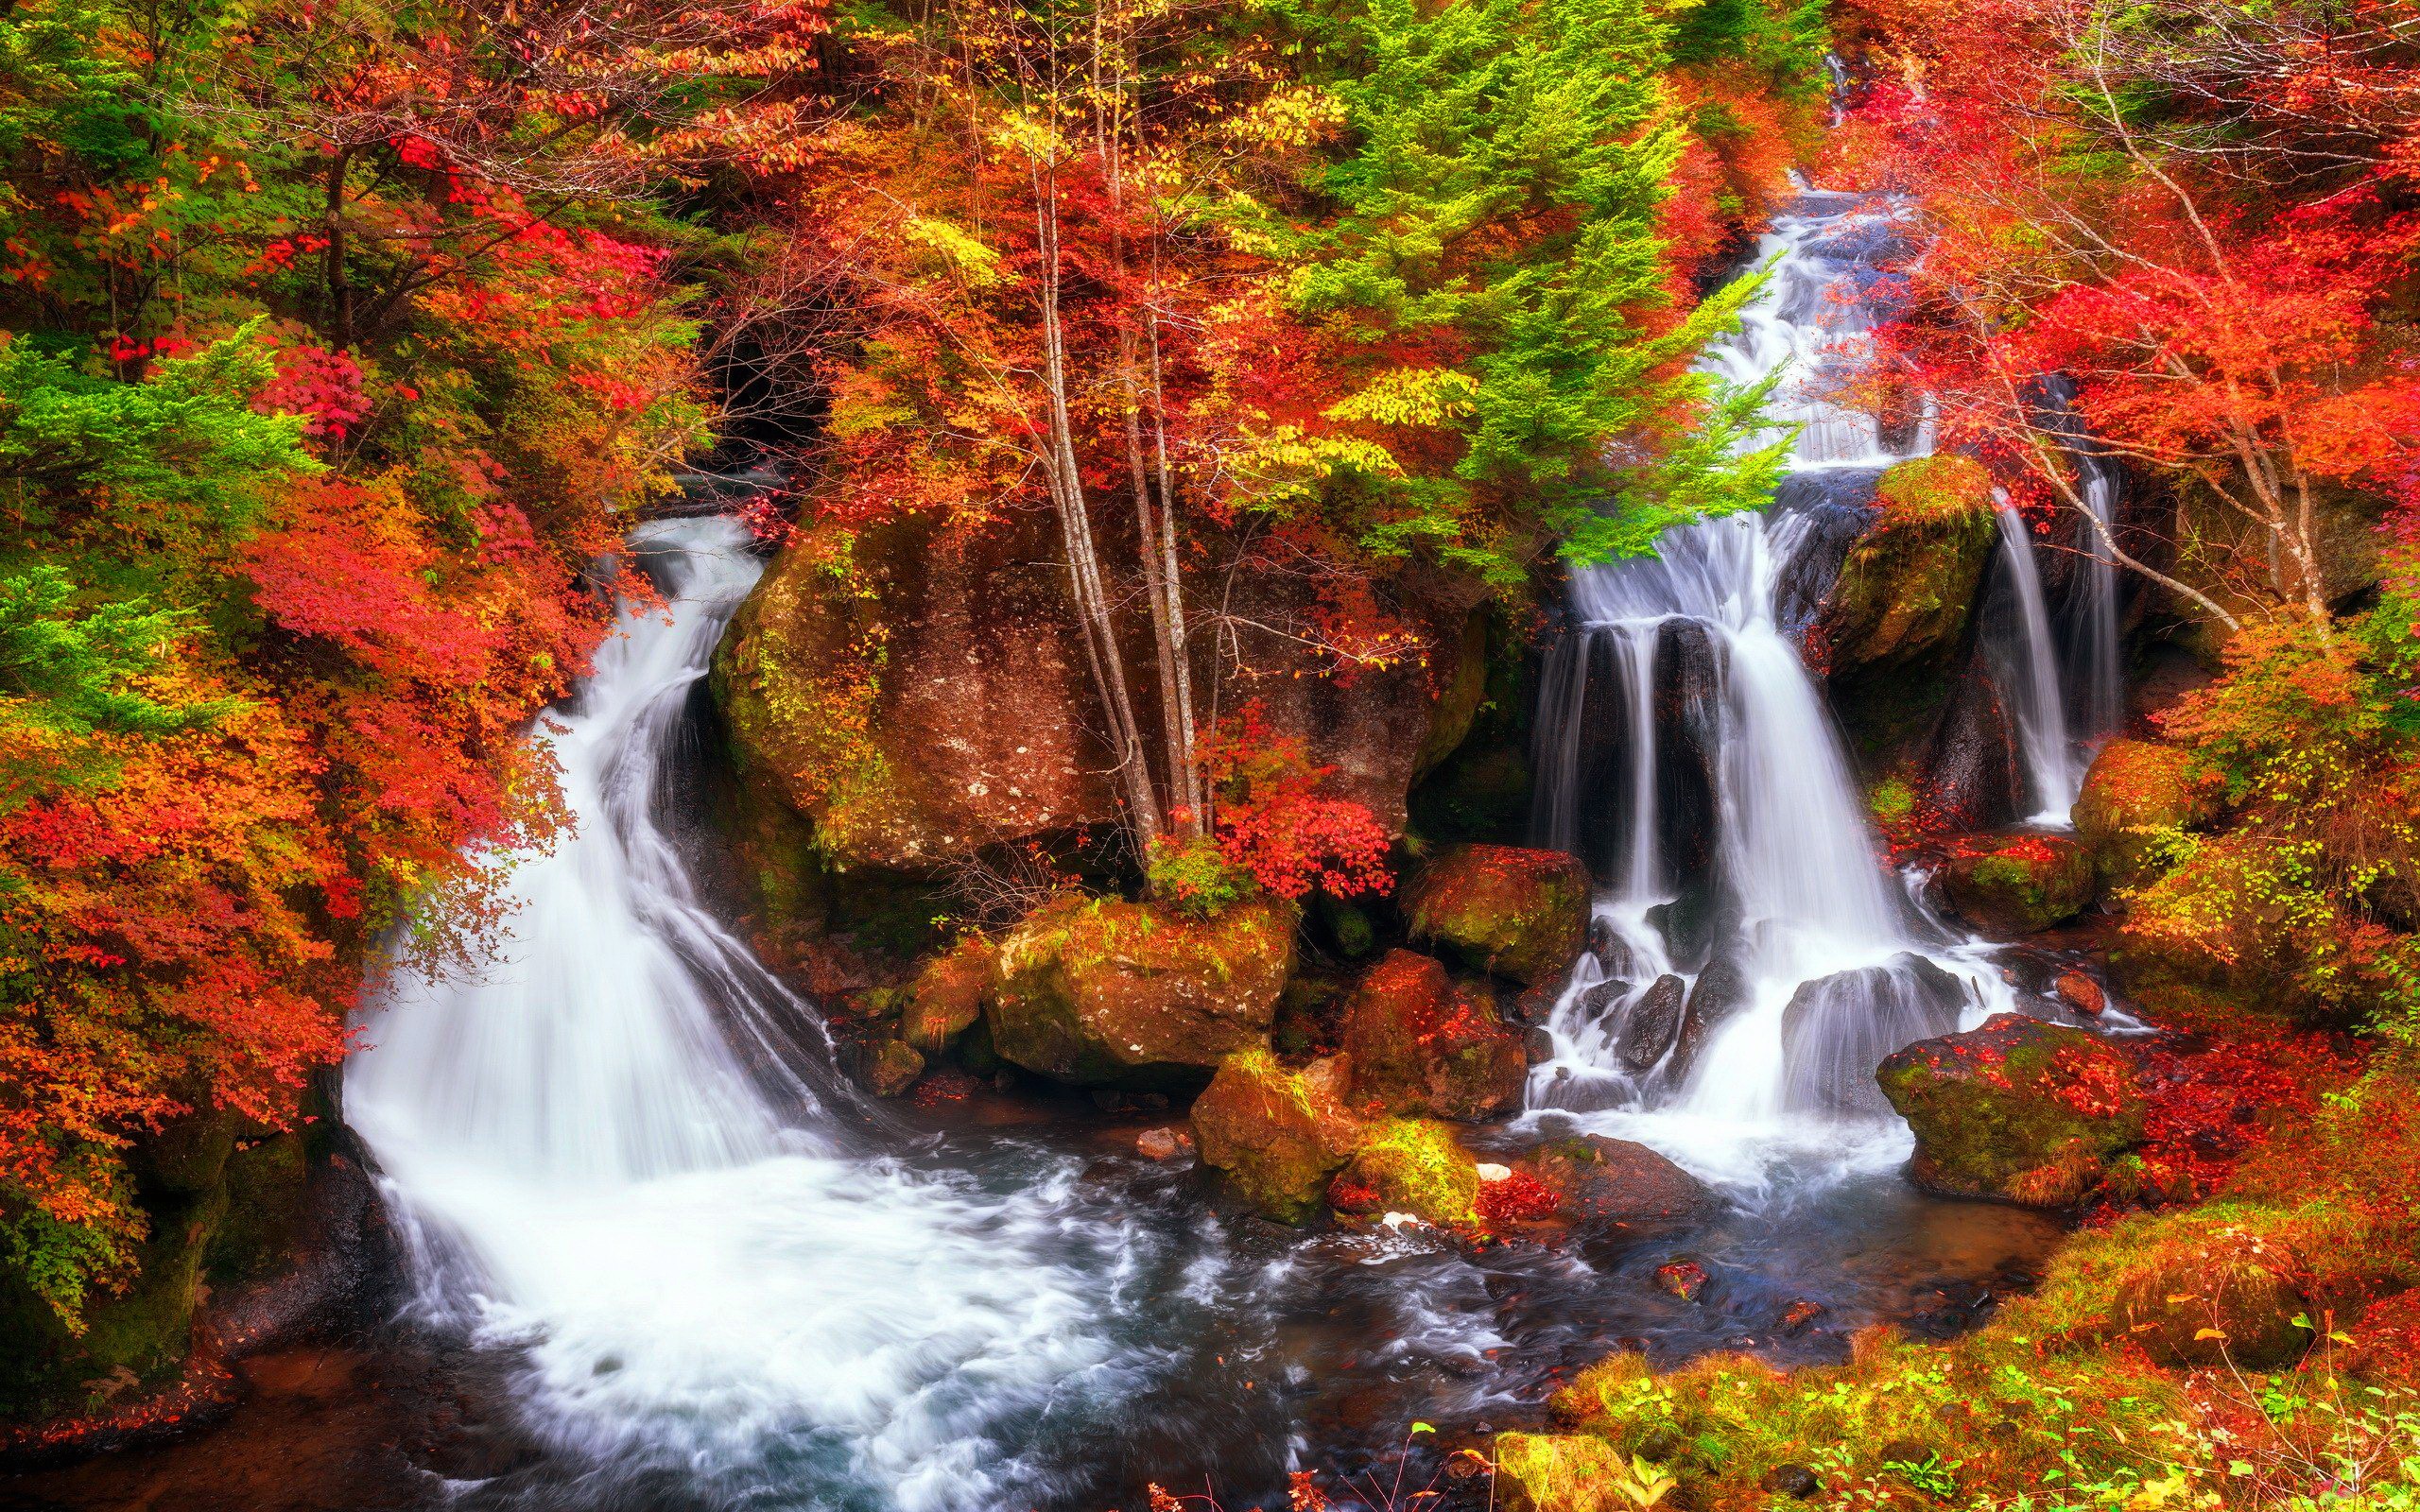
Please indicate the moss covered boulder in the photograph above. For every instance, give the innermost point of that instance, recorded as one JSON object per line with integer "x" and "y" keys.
{"x": 2018, "y": 884}
{"x": 947, "y": 995}
{"x": 1909, "y": 583}
{"x": 1419, "y": 1044}
{"x": 2018, "y": 1110}
{"x": 1516, "y": 912}
{"x": 2209, "y": 1286}
{"x": 1409, "y": 1165}
{"x": 1617, "y": 1183}
{"x": 1278, "y": 1135}
{"x": 1100, "y": 993}
{"x": 2134, "y": 790}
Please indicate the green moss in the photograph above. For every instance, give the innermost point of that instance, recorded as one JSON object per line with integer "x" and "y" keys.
{"x": 1414, "y": 1166}
{"x": 1943, "y": 486}
{"x": 1892, "y": 800}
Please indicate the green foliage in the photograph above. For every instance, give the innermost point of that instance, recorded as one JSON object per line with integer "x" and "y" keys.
{"x": 1195, "y": 877}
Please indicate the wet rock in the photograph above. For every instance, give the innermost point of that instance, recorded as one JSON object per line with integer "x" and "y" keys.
{"x": 1801, "y": 1316}
{"x": 1613, "y": 953}
{"x": 1102, "y": 992}
{"x": 2082, "y": 994}
{"x": 1532, "y": 1005}
{"x": 1974, "y": 774}
{"x": 1838, "y": 1029}
{"x": 2018, "y": 1110}
{"x": 1906, "y": 587}
{"x": 1794, "y": 1481}
{"x": 1162, "y": 1143}
{"x": 1604, "y": 999}
{"x": 1685, "y": 1279}
{"x": 1516, "y": 912}
{"x": 1418, "y": 1043}
{"x": 1719, "y": 992}
{"x": 1608, "y": 1181}
{"x": 2019, "y": 885}
{"x": 1692, "y": 667}
{"x": 2133, "y": 790}
{"x": 1838, "y": 504}
{"x": 948, "y": 996}
{"x": 1654, "y": 1025}
{"x": 891, "y": 1066}
{"x": 1278, "y": 1135}
{"x": 1692, "y": 924}
{"x": 1409, "y": 1165}
{"x": 1537, "y": 1045}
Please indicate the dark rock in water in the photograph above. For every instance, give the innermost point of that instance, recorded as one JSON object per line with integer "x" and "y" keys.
{"x": 1613, "y": 953}
{"x": 1720, "y": 990}
{"x": 1685, "y": 1279}
{"x": 2082, "y": 994}
{"x": 1838, "y": 1029}
{"x": 1653, "y": 1024}
{"x": 1602, "y": 999}
{"x": 1692, "y": 924}
{"x": 1838, "y": 505}
{"x": 1976, "y": 776}
{"x": 1532, "y": 1005}
{"x": 1691, "y": 669}
{"x": 1516, "y": 912}
{"x": 2019, "y": 885}
{"x": 1537, "y": 1045}
{"x": 2020, "y": 1111}
{"x": 1603, "y": 1181}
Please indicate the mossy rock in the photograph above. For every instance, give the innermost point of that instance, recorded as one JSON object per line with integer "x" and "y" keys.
{"x": 947, "y": 995}
{"x": 1409, "y": 1165}
{"x": 1617, "y": 1184}
{"x": 1278, "y": 1135}
{"x": 1908, "y": 584}
{"x": 1418, "y": 1043}
{"x": 2018, "y": 1110}
{"x": 892, "y": 1067}
{"x": 2022, "y": 884}
{"x": 1517, "y": 912}
{"x": 2134, "y": 790}
{"x": 1100, "y": 993}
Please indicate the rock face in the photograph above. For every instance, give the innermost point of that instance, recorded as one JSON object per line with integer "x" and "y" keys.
{"x": 1417, "y": 1043}
{"x": 862, "y": 685}
{"x": 1409, "y": 1165}
{"x": 1906, "y": 586}
{"x": 1104, "y": 993}
{"x": 2136, "y": 786}
{"x": 1654, "y": 1025}
{"x": 1599, "y": 1180}
{"x": 1719, "y": 993}
{"x": 948, "y": 996}
{"x": 1278, "y": 1135}
{"x": 2018, "y": 1110}
{"x": 2020, "y": 885}
{"x": 1515, "y": 912}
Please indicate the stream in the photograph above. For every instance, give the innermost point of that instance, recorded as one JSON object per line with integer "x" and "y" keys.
{"x": 661, "y": 1255}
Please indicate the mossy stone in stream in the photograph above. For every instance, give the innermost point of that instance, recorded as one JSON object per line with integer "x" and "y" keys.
{"x": 1419, "y": 1044}
{"x": 2135, "y": 791}
{"x": 1907, "y": 584}
{"x": 1277, "y": 1135}
{"x": 1409, "y": 1165}
{"x": 1101, "y": 992}
{"x": 2019, "y": 885}
{"x": 947, "y": 995}
{"x": 2018, "y": 1110}
{"x": 1517, "y": 912}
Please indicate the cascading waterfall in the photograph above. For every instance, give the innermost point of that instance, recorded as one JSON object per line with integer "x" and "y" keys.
{"x": 2030, "y": 675}
{"x": 605, "y": 1157}
{"x": 1733, "y": 1007}
{"x": 2099, "y": 692}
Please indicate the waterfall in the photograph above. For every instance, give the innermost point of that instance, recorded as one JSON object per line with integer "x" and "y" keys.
{"x": 2099, "y": 694}
{"x": 2028, "y": 674}
{"x": 602, "y": 1155}
{"x": 1733, "y": 1004}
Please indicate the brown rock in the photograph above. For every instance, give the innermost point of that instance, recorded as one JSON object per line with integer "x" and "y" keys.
{"x": 892, "y": 1066}
{"x": 1516, "y": 912}
{"x": 2082, "y": 993}
{"x": 1601, "y": 1180}
{"x": 1162, "y": 1143}
{"x": 1684, "y": 1279}
{"x": 1417, "y": 1043}
{"x": 1278, "y": 1135}
{"x": 2020, "y": 1111}
{"x": 947, "y": 995}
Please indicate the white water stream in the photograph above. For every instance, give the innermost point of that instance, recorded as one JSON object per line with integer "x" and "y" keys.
{"x": 1815, "y": 963}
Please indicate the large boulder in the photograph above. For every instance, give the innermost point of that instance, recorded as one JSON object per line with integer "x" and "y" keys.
{"x": 1516, "y": 912}
{"x": 2134, "y": 789}
{"x": 1101, "y": 992}
{"x": 1420, "y": 1045}
{"x": 1409, "y": 1165}
{"x": 2018, "y": 1110}
{"x": 1721, "y": 991}
{"x": 2203, "y": 1288}
{"x": 1653, "y": 1024}
{"x": 2007, "y": 885}
{"x": 1278, "y": 1135}
{"x": 1617, "y": 1184}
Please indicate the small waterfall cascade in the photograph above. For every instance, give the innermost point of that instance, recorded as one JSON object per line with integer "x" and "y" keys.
{"x": 617, "y": 1148}
{"x": 1755, "y": 959}
{"x": 2027, "y": 671}
{"x": 2096, "y": 704}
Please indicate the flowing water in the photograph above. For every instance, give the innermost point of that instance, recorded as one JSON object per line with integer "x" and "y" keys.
{"x": 2029, "y": 672}
{"x": 1737, "y": 998}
